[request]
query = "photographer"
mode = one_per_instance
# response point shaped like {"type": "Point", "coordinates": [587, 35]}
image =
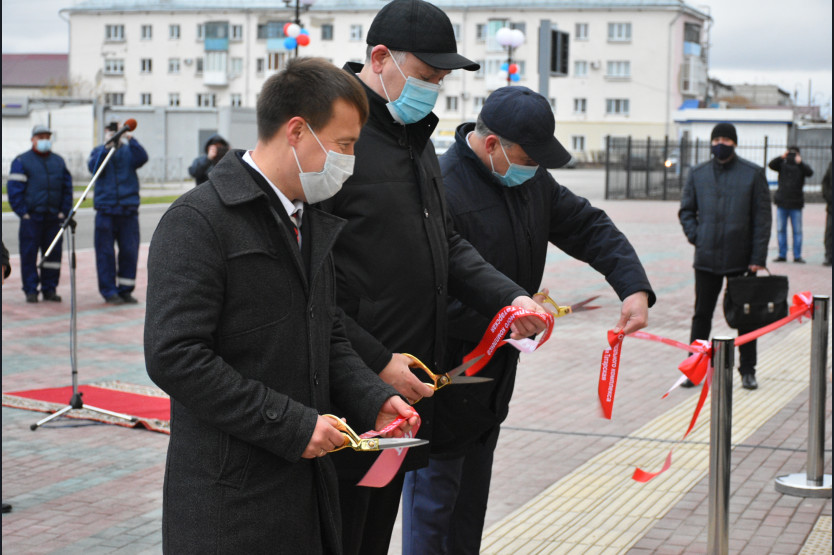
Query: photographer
{"type": "Point", "coordinates": [215, 149]}
{"type": "Point", "coordinates": [789, 200]}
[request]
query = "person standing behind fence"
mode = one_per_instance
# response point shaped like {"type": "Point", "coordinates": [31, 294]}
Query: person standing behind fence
{"type": "Point", "coordinates": [826, 194]}
{"type": "Point", "coordinates": [789, 200]}
{"type": "Point", "coordinates": [117, 215]}
{"type": "Point", "coordinates": [40, 193]}
{"type": "Point", "coordinates": [725, 213]}
{"type": "Point", "coordinates": [215, 149]}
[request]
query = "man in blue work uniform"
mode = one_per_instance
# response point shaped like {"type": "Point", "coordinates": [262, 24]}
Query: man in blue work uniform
{"type": "Point", "coordinates": [40, 193]}
{"type": "Point", "coordinates": [117, 215]}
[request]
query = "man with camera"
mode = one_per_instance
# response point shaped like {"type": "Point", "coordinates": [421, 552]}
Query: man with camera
{"type": "Point", "coordinates": [215, 149]}
{"type": "Point", "coordinates": [789, 200]}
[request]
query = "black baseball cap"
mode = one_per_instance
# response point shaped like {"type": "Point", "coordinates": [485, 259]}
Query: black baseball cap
{"type": "Point", "coordinates": [525, 118]}
{"type": "Point", "coordinates": [422, 29]}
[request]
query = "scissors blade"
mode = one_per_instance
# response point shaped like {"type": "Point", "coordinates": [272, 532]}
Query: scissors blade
{"type": "Point", "coordinates": [583, 305]}
{"type": "Point", "coordinates": [400, 442]}
{"type": "Point", "coordinates": [462, 368]}
{"type": "Point", "coordinates": [466, 380]}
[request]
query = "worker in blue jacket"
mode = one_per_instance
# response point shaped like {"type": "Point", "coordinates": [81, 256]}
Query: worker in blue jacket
{"type": "Point", "coordinates": [117, 215]}
{"type": "Point", "coordinates": [40, 193]}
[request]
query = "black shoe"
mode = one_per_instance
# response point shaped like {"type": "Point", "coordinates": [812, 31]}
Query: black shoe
{"type": "Point", "coordinates": [7, 508]}
{"type": "Point", "coordinates": [128, 298]}
{"type": "Point", "coordinates": [688, 383]}
{"type": "Point", "coordinates": [31, 297]}
{"type": "Point", "coordinates": [51, 296]}
{"type": "Point", "coordinates": [780, 259]}
{"type": "Point", "coordinates": [799, 260]}
{"type": "Point", "coordinates": [748, 381]}
{"type": "Point", "coordinates": [114, 299]}
{"type": "Point", "coordinates": [826, 262]}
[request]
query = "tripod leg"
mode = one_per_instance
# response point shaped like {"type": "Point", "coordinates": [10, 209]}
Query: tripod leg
{"type": "Point", "coordinates": [51, 417]}
{"type": "Point", "coordinates": [111, 413]}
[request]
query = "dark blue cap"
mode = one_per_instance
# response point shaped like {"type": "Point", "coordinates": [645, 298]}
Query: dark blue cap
{"type": "Point", "coordinates": [525, 118]}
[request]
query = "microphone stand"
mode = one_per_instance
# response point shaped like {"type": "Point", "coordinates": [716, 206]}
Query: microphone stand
{"type": "Point", "coordinates": [76, 402]}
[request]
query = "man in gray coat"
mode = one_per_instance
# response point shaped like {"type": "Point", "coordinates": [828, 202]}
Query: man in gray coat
{"type": "Point", "coordinates": [243, 332]}
{"type": "Point", "coordinates": [725, 213]}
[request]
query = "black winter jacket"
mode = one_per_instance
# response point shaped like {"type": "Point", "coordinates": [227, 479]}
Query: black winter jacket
{"type": "Point", "coordinates": [792, 176]}
{"type": "Point", "coordinates": [725, 213]}
{"type": "Point", "coordinates": [398, 256]}
{"type": "Point", "coordinates": [511, 228]}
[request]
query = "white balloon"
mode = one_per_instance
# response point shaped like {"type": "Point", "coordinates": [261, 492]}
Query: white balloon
{"type": "Point", "coordinates": [504, 36]}
{"type": "Point", "coordinates": [517, 37]}
{"type": "Point", "coordinates": [293, 30]}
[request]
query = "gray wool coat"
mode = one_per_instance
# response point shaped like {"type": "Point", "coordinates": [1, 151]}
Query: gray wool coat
{"type": "Point", "coordinates": [250, 349]}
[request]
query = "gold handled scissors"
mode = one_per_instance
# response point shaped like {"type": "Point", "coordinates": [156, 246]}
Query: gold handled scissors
{"type": "Point", "coordinates": [565, 310]}
{"type": "Point", "coordinates": [449, 378]}
{"type": "Point", "coordinates": [357, 443]}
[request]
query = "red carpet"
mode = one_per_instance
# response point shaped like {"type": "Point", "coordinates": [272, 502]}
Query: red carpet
{"type": "Point", "coordinates": [149, 405]}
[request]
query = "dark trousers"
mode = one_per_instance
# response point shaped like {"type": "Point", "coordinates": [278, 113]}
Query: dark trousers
{"type": "Point", "coordinates": [444, 504]}
{"type": "Point", "coordinates": [368, 516]}
{"type": "Point", "coordinates": [828, 234]}
{"type": "Point", "coordinates": [35, 236]}
{"type": "Point", "coordinates": [110, 230]}
{"type": "Point", "coordinates": [707, 288]}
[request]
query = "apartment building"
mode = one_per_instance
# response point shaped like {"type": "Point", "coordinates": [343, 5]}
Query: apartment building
{"type": "Point", "coordinates": [630, 63]}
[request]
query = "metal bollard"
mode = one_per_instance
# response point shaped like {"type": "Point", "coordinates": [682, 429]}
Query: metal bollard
{"type": "Point", "coordinates": [814, 483]}
{"type": "Point", "coordinates": [720, 448]}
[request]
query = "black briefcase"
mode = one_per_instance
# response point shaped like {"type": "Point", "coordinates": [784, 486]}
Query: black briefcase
{"type": "Point", "coordinates": [751, 302]}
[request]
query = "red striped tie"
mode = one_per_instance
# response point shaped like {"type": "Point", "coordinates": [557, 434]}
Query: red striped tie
{"type": "Point", "coordinates": [294, 218]}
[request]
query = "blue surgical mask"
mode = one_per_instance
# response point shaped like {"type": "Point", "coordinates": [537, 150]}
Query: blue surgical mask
{"type": "Point", "coordinates": [319, 186]}
{"type": "Point", "coordinates": [44, 145]}
{"type": "Point", "coordinates": [722, 151]}
{"type": "Point", "coordinates": [516, 174]}
{"type": "Point", "coordinates": [416, 100]}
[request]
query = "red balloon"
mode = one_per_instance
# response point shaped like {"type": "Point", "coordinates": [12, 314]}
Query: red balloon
{"type": "Point", "coordinates": [303, 40]}
{"type": "Point", "coordinates": [513, 68]}
{"type": "Point", "coordinates": [287, 24]}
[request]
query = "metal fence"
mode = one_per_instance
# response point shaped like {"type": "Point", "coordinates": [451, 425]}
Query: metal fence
{"type": "Point", "coordinates": [657, 169]}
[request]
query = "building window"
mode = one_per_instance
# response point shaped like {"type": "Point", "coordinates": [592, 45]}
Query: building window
{"type": "Point", "coordinates": [327, 31]}
{"type": "Point", "coordinates": [481, 71]}
{"type": "Point", "coordinates": [580, 105]}
{"type": "Point", "coordinates": [114, 33]}
{"type": "Point", "coordinates": [618, 69]}
{"type": "Point", "coordinates": [206, 100]}
{"type": "Point", "coordinates": [478, 103]}
{"type": "Point", "coordinates": [451, 104]}
{"type": "Point", "coordinates": [173, 65]}
{"type": "Point", "coordinates": [216, 62]}
{"type": "Point", "coordinates": [276, 61]}
{"type": "Point", "coordinates": [236, 100]}
{"type": "Point", "coordinates": [522, 68]}
{"type": "Point", "coordinates": [271, 30]}
{"type": "Point", "coordinates": [480, 32]}
{"type": "Point", "coordinates": [259, 65]}
{"type": "Point", "coordinates": [146, 65]}
{"type": "Point", "coordinates": [201, 31]}
{"type": "Point", "coordinates": [581, 32]}
{"type": "Point", "coordinates": [456, 29]}
{"type": "Point", "coordinates": [147, 32]}
{"type": "Point", "coordinates": [580, 68]}
{"type": "Point", "coordinates": [114, 99]}
{"type": "Point", "coordinates": [578, 143]}
{"type": "Point", "coordinates": [616, 106]}
{"type": "Point", "coordinates": [237, 32]}
{"type": "Point", "coordinates": [236, 67]}
{"type": "Point", "coordinates": [173, 99]}
{"type": "Point", "coordinates": [619, 32]}
{"type": "Point", "coordinates": [114, 66]}
{"type": "Point", "coordinates": [355, 32]}
{"type": "Point", "coordinates": [692, 33]}
{"type": "Point", "coordinates": [521, 26]}
{"type": "Point", "coordinates": [198, 66]}
{"type": "Point", "coordinates": [174, 32]}
{"type": "Point", "coordinates": [145, 99]}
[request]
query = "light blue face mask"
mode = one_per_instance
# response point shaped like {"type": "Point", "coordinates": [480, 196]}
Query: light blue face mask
{"type": "Point", "coordinates": [516, 174]}
{"type": "Point", "coordinates": [44, 145]}
{"type": "Point", "coordinates": [416, 100]}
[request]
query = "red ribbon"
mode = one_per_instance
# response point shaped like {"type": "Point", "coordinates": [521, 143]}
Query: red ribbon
{"type": "Point", "coordinates": [608, 372]}
{"type": "Point", "coordinates": [389, 461]}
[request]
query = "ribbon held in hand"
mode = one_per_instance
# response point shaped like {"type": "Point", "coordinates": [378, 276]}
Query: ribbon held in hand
{"type": "Point", "coordinates": [388, 463]}
{"type": "Point", "coordinates": [608, 372]}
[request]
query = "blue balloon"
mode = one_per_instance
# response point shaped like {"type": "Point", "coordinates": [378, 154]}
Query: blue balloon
{"type": "Point", "coordinates": [290, 43]}
{"type": "Point", "coordinates": [304, 32]}
{"type": "Point", "coordinates": [515, 77]}
{"type": "Point", "coordinates": [505, 66]}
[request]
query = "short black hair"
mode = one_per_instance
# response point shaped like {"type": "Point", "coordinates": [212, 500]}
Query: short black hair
{"type": "Point", "coordinates": [307, 87]}
{"type": "Point", "coordinates": [793, 148]}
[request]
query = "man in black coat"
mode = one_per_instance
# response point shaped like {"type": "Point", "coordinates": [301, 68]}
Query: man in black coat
{"type": "Point", "coordinates": [725, 213]}
{"type": "Point", "coordinates": [243, 332]}
{"type": "Point", "coordinates": [399, 255]}
{"type": "Point", "coordinates": [215, 149]}
{"type": "Point", "coordinates": [503, 200]}
{"type": "Point", "coordinates": [789, 200]}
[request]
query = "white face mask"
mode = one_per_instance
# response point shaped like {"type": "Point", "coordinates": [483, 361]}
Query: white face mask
{"type": "Point", "coordinates": [319, 186]}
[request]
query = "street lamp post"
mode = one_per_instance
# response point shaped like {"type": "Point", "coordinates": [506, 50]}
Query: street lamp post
{"type": "Point", "coordinates": [510, 39]}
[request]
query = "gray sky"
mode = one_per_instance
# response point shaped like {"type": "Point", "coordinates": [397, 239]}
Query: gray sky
{"type": "Point", "coordinates": [753, 41]}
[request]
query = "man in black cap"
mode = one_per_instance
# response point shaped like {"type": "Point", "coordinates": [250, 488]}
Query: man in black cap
{"type": "Point", "coordinates": [398, 254]}
{"type": "Point", "coordinates": [503, 200]}
{"type": "Point", "coordinates": [725, 213]}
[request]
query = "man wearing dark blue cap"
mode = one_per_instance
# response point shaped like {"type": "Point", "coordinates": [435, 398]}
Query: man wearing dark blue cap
{"type": "Point", "coordinates": [503, 200]}
{"type": "Point", "coordinates": [398, 254]}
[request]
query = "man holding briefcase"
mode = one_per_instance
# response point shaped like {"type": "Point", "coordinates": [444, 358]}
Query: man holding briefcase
{"type": "Point", "coordinates": [725, 213]}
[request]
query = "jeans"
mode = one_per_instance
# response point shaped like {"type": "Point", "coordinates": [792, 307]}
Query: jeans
{"type": "Point", "coordinates": [795, 215]}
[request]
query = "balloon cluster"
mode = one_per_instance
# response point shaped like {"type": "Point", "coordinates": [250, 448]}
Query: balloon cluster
{"type": "Point", "coordinates": [510, 70]}
{"type": "Point", "coordinates": [296, 36]}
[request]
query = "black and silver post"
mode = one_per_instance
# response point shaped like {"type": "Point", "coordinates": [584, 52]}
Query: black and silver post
{"type": "Point", "coordinates": [720, 448]}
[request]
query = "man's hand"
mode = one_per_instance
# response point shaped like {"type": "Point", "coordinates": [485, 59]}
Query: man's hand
{"type": "Point", "coordinates": [325, 437]}
{"type": "Point", "coordinates": [392, 409]}
{"type": "Point", "coordinates": [398, 374]}
{"type": "Point", "coordinates": [212, 152]}
{"type": "Point", "coordinates": [755, 268]}
{"type": "Point", "coordinates": [798, 159]}
{"type": "Point", "coordinates": [527, 326]}
{"type": "Point", "coordinates": [634, 314]}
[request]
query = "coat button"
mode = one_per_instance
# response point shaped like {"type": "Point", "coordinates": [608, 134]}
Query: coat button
{"type": "Point", "coordinates": [439, 289]}
{"type": "Point", "coordinates": [312, 313]}
{"type": "Point", "coordinates": [316, 378]}
{"type": "Point", "coordinates": [272, 414]}
{"type": "Point", "coordinates": [425, 212]}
